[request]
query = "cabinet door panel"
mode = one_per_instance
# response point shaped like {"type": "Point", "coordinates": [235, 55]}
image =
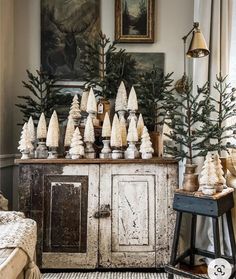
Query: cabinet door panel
{"type": "Point", "coordinates": [70, 231]}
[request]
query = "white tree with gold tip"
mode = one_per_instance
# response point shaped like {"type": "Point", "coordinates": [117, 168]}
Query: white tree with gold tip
{"type": "Point", "coordinates": [70, 128]}
{"type": "Point", "coordinates": [132, 104]}
{"type": "Point", "coordinates": [123, 132]}
{"type": "Point", "coordinates": [77, 147]}
{"type": "Point", "coordinates": [116, 140]}
{"type": "Point", "coordinates": [52, 140]}
{"type": "Point", "coordinates": [89, 139]}
{"type": "Point", "coordinates": [106, 135]}
{"type": "Point", "coordinates": [132, 138]}
{"type": "Point", "coordinates": [25, 144]}
{"type": "Point", "coordinates": [41, 150]}
{"type": "Point", "coordinates": [146, 145]}
{"type": "Point", "coordinates": [32, 135]}
{"type": "Point", "coordinates": [92, 107]}
{"type": "Point", "coordinates": [221, 183]}
{"type": "Point", "coordinates": [121, 101]}
{"type": "Point", "coordinates": [75, 111]}
{"type": "Point", "coordinates": [208, 177]}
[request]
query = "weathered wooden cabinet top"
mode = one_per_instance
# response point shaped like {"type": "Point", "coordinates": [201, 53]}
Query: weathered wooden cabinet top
{"type": "Point", "coordinates": [100, 213]}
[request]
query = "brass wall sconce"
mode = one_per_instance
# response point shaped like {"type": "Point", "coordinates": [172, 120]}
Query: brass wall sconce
{"type": "Point", "coordinates": [197, 49]}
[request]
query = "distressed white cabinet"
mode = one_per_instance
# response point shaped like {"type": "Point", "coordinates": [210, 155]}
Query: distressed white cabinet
{"type": "Point", "coordinates": [100, 213]}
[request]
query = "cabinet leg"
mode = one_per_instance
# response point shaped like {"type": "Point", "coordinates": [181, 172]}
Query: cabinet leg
{"type": "Point", "coordinates": [193, 239]}
{"type": "Point", "coordinates": [216, 235]}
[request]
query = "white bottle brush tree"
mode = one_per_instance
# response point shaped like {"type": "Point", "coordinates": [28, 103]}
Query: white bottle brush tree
{"type": "Point", "coordinates": [132, 138]}
{"type": "Point", "coordinates": [146, 145]}
{"type": "Point", "coordinates": [121, 101]}
{"type": "Point", "coordinates": [25, 144]}
{"type": "Point", "coordinates": [31, 131]}
{"type": "Point", "coordinates": [77, 147]}
{"type": "Point", "coordinates": [75, 110]}
{"type": "Point", "coordinates": [53, 136]}
{"type": "Point", "coordinates": [89, 138]}
{"type": "Point", "coordinates": [116, 140]}
{"type": "Point", "coordinates": [70, 128]}
{"type": "Point", "coordinates": [220, 173]}
{"type": "Point", "coordinates": [106, 135]}
{"type": "Point", "coordinates": [41, 134]}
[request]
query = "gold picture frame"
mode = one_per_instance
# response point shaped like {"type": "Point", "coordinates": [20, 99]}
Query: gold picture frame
{"type": "Point", "coordinates": [134, 21]}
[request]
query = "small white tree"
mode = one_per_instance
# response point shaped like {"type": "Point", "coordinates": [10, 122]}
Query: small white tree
{"type": "Point", "coordinates": [140, 126]}
{"type": "Point", "coordinates": [146, 145]}
{"type": "Point", "coordinates": [53, 131]}
{"type": "Point", "coordinates": [25, 144]}
{"type": "Point", "coordinates": [70, 128]}
{"type": "Point", "coordinates": [42, 127]}
{"type": "Point", "coordinates": [132, 101]}
{"type": "Point", "coordinates": [121, 98]}
{"type": "Point", "coordinates": [106, 127]}
{"type": "Point", "coordinates": [123, 132]}
{"type": "Point", "coordinates": [219, 170]}
{"type": "Point", "coordinates": [77, 148]}
{"type": "Point", "coordinates": [132, 131]}
{"type": "Point", "coordinates": [75, 108]}
{"type": "Point", "coordinates": [89, 131]}
{"type": "Point", "coordinates": [84, 100]}
{"type": "Point", "coordinates": [92, 103]}
{"type": "Point", "coordinates": [208, 176]}
{"type": "Point", "coordinates": [31, 129]}
{"type": "Point", "coordinates": [116, 140]}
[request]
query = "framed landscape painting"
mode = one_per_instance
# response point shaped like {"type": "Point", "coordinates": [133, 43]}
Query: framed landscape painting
{"type": "Point", "coordinates": [134, 21]}
{"type": "Point", "coordinates": [66, 28]}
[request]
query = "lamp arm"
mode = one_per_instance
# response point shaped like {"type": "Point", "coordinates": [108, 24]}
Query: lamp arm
{"type": "Point", "coordinates": [195, 25]}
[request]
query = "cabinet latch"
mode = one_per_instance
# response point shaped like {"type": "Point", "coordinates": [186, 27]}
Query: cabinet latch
{"type": "Point", "coordinates": [103, 212]}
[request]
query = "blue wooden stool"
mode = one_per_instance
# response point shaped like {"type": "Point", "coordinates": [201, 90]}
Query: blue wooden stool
{"type": "Point", "coordinates": [210, 206]}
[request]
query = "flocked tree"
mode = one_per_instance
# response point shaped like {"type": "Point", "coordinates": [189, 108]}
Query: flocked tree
{"type": "Point", "coordinates": [42, 127]}
{"type": "Point", "coordinates": [116, 140]}
{"type": "Point", "coordinates": [53, 131]}
{"type": "Point", "coordinates": [76, 148]}
{"type": "Point", "coordinates": [123, 131]}
{"type": "Point", "coordinates": [121, 98]}
{"type": "Point", "coordinates": [140, 126]}
{"type": "Point", "coordinates": [44, 96]}
{"type": "Point", "coordinates": [106, 67]}
{"type": "Point", "coordinates": [70, 128]}
{"type": "Point", "coordinates": [25, 144]}
{"type": "Point", "coordinates": [75, 109]}
{"type": "Point", "coordinates": [146, 145]}
{"type": "Point", "coordinates": [31, 129]}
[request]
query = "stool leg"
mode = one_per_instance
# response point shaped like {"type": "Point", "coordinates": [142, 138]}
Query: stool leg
{"type": "Point", "coordinates": [175, 241]}
{"type": "Point", "coordinates": [232, 239]}
{"type": "Point", "coordinates": [216, 235]}
{"type": "Point", "coordinates": [193, 238]}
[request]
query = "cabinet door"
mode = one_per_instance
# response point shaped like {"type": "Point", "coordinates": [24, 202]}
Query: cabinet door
{"type": "Point", "coordinates": [127, 236]}
{"type": "Point", "coordinates": [70, 233]}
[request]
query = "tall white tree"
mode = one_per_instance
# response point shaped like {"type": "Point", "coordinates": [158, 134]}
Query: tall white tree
{"type": "Point", "coordinates": [53, 131]}
{"type": "Point", "coordinates": [25, 144]}
{"type": "Point", "coordinates": [70, 128]}
{"type": "Point", "coordinates": [77, 148]}
{"type": "Point", "coordinates": [89, 131]}
{"type": "Point", "coordinates": [132, 100]}
{"type": "Point", "coordinates": [146, 144]}
{"type": "Point", "coordinates": [92, 103]}
{"type": "Point", "coordinates": [31, 129]}
{"type": "Point", "coordinates": [116, 140]}
{"type": "Point", "coordinates": [42, 127]}
{"type": "Point", "coordinates": [132, 131]}
{"type": "Point", "coordinates": [84, 100]}
{"type": "Point", "coordinates": [123, 132]}
{"type": "Point", "coordinates": [140, 126]}
{"type": "Point", "coordinates": [121, 98]}
{"type": "Point", "coordinates": [106, 127]}
{"type": "Point", "coordinates": [75, 108]}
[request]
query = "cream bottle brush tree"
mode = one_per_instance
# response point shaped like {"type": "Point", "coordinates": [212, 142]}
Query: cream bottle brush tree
{"type": "Point", "coordinates": [70, 128]}
{"type": "Point", "coordinates": [123, 132]}
{"type": "Point", "coordinates": [77, 147]}
{"type": "Point", "coordinates": [53, 136]}
{"type": "Point", "coordinates": [92, 107]}
{"type": "Point", "coordinates": [75, 110]}
{"type": "Point", "coordinates": [146, 145]}
{"type": "Point", "coordinates": [140, 126]}
{"type": "Point", "coordinates": [132, 104]}
{"type": "Point", "coordinates": [106, 134]}
{"type": "Point", "coordinates": [121, 101]}
{"type": "Point", "coordinates": [89, 138]}
{"type": "Point", "coordinates": [221, 183]}
{"type": "Point", "coordinates": [116, 140]}
{"type": "Point", "coordinates": [132, 138]}
{"type": "Point", "coordinates": [83, 106]}
{"type": "Point", "coordinates": [41, 150]}
{"type": "Point", "coordinates": [25, 144]}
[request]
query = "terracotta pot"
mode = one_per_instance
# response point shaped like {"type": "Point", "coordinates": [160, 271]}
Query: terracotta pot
{"type": "Point", "coordinates": [157, 143]}
{"type": "Point", "coordinates": [190, 182]}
